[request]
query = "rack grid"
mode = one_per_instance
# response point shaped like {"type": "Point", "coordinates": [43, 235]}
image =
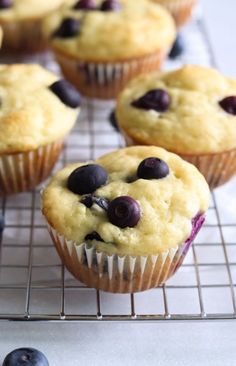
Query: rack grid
{"type": "Point", "coordinates": [34, 285]}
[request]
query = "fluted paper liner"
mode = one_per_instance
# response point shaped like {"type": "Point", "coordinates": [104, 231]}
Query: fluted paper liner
{"type": "Point", "coordinates": [217, 168]}
{"type": "Point", "coordinates": [23, 36]}
{"type": "Point", "coordinates": [181, 10]}
{"type": "Point", "coordinates": [23, 171]}
{"type": "Point", "coordinates": [104, 80]}
{"type": "Point", "coordinates": [114, 273]}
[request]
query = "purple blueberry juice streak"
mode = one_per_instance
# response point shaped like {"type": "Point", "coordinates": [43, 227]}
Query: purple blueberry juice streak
{"type": "Point", "coordinates": [197, 223]}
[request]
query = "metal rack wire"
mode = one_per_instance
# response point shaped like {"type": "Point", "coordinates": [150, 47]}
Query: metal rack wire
{"type": "Point", "coordinates": [34, 285]}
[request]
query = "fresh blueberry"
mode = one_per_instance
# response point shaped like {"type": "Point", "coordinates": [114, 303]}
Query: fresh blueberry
{"type": "Point", "coordinates": [66, 92]}
{"type": "Point", "coordinates": [85, 5]}
{"type": "Point", "coordinates": [93, 236]}
{"type": "Point", "coordinates": [177, 48]}
{"type": "Point", "coordinates": [111, 5]}
{"type": "Point", "coordinates": [2, 224]}
{"type": "Point", "coordinates": [25, 357]}
{"type": "Point", "coordinates": [89, 200]}
{"type": "Point", "coordinates": [124, 212]}
{"type": "Point", "coordinates": [156, 99]}
{"type": "Point", "coordinates": [113, 120]}
{"type": "Point", "coordinates": [69, 27]}
{"type": "Point", "coordinates": [152, 168]}
{"type": "Point", "coordinates": [86, 179]}
{"type": "Point", "coordinates": [4, 4]}
{"type": "Point", "coordinates": [229, 104]}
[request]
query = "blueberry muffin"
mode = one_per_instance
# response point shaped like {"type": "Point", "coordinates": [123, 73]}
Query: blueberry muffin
{"type": "Point", "coordinates": [100, 45]}
{"type": "Point", "coordinates": [181, 10]}
{"type": "Point", "coordinates": [37, 112]}
{"type": "Point", "coordinates": [125, 222]}
{"type": "Point", "coordinates": [190, 111]}
{"type": "Point", "coordinates": [21, 21]}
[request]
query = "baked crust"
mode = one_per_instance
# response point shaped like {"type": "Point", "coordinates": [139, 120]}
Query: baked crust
{"type": "Point", "coordinates": [168, 205]}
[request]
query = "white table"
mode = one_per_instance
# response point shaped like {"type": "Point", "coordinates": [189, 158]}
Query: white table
{"type": "Point", "coordinates": [162, 344]}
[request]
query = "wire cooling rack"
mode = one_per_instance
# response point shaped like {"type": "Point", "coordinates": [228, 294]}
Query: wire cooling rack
{"type": "Point", "coordinates": [34, 285]}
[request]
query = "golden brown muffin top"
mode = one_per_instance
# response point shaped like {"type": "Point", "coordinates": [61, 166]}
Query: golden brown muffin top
{"type": "Point", "coordinates": [193, 123]}
{"type": "Point", "coordinates": [138, 29]}
{"type": "Point", "coordinates": [167, 205]}
{"type": "Point", "coordinates": [31, 114]}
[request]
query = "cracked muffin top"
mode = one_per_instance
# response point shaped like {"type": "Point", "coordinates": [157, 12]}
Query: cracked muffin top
{"type": "Point", "coordinates": [191, 110]}
{"type": "Point", "coordinates": [138, 201]}
{"type": "Point", "coordinates": [36, 107]}
{"type": "Point", "coordinates": [110, 30]}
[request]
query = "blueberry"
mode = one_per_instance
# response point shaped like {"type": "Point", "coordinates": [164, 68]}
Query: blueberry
{"type": "Point", "coordinates": [229, 104]}
{"type": "Point", "coordinates": [93, 236]}
{"type": "Point", "coordinates": [86, 179]}
{"type": "Point", "coordinates": [68, 28]}
{"type": "Point", "coordinates": [124, 212]}
{"type": "Point", "coordinates": [156, 99]}
{"type": "Point", "coordinates": [85, 5]}
{"type": "Point", "coordinates": [2, 224]}
{"type": "Point", "coordinates": [111, 5]}
{"type": "Point", "coordinates": [66, 92]}
{"type": "Point", "coordinates": [26, 357]}
{"type": "Point", "coordinates": [152, 168]}
{"type": "Point", "coordinates": [177, 48]}
{"type": "Point", "coordinates": [113, 120]}
{"type": "Point", "coordinates": [4, 4]}
{"type": "Point", "coordinates": [89, 200]}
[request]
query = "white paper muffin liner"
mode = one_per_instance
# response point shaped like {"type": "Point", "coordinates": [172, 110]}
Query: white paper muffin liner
{"type": "Point", "coordinates": [114, 273]}
{"type": "Point", "coordinates": [23, 171]}
{"type": "Point", "coordinates": [104, 80]}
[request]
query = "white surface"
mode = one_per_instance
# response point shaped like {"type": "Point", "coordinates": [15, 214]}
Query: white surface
{"type": "Point", "coordinates": [140, 344]}
{"type": "Point", "coordinates": [126, 344]}
{"type": "Point", "coordinates": [220, 19]}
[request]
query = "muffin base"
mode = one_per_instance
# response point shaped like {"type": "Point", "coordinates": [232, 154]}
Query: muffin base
{"type": "Point", "coordinates": [217, 168]}
{"type": "Point", "coordinates": [181, 10]}
{"type": "Point", "coordinates": [117, 274]}
{"type": "Point", "coordinates": [23, 171]}
{"type": "Point", "coordinates": [104, 80]}
{"type": "Point", "coordinates": [23, 36]}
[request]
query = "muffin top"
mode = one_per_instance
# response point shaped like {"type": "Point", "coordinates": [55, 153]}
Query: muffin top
{"type": "Point", "coordinates": [129, 29]}
{"type": "Point", "coordinates": [34, 109]}
{"type": "Point", "coordinates": [189, 111]}
{"type": "Point", "coordinates": [162, 201]}
{"type": "Point", "coordinates": [23, 9]}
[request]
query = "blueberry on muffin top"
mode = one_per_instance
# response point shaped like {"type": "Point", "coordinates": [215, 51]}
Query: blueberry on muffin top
{"type": "Point", "coordinates": [36, 107]}
{"type": "Point", "coordinates": [138, 200]}
{"type": "Point", "coordinates": [191, 110]}
{"type": "Point", "coordinates": [110, 30]}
